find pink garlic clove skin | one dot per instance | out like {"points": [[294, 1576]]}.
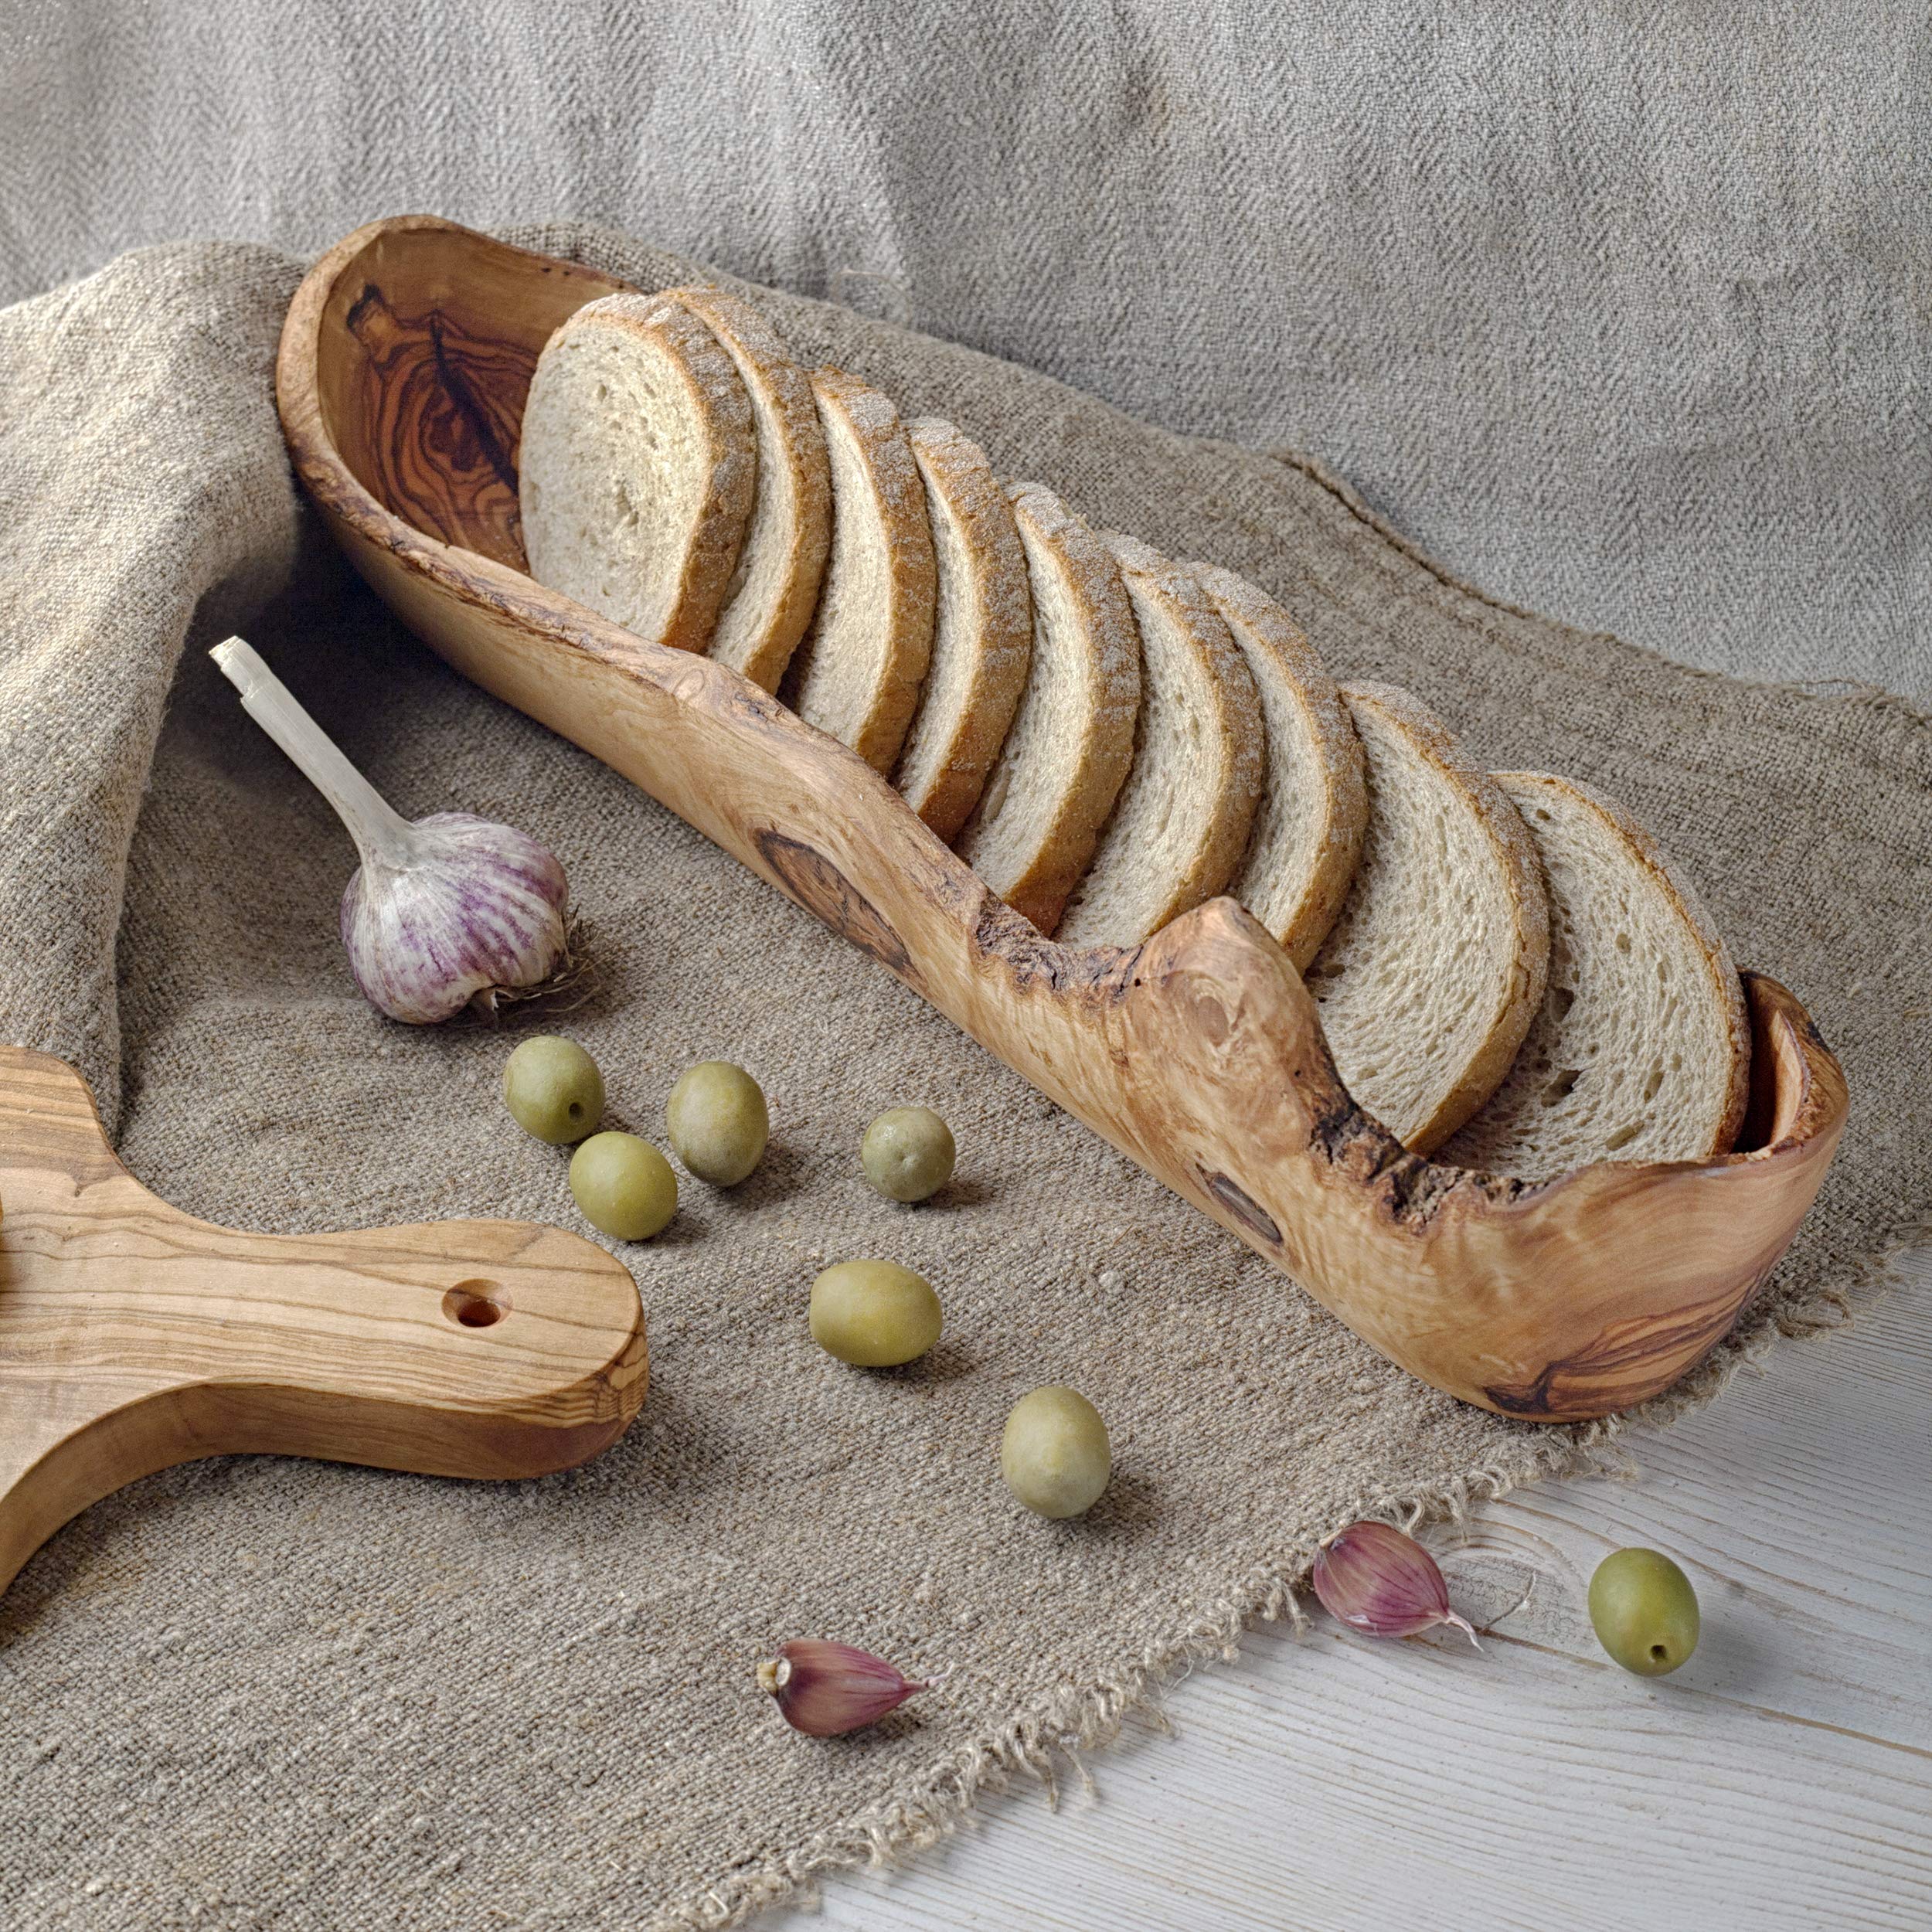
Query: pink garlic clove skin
{"points": [[828, 1689], [469, 909], [1375, 1579]]}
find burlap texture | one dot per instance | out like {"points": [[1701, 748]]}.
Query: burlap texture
{"points": [[1620, 307], [252, 1692]]}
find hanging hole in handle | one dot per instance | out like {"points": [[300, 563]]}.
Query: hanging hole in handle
{"points": [[476, 1304]]}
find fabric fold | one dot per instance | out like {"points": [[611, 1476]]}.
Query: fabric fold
{"points": [[140, 468]]}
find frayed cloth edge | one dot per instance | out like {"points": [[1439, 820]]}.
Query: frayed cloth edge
{"points": [[1060, 1730]]}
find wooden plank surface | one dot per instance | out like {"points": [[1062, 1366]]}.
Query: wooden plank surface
{"points": [[1782, 1779]]}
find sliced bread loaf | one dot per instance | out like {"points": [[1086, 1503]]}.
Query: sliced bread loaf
{"points": [[1314, 805], [1057, 776], [1435, 967], [1183, 817], [857, 673], [774, 588], [982, 631], [1640, 1050], [638, 467]]}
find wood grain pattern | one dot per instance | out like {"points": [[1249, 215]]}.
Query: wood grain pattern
{"points": [[447, 394], [133, 1336], [1198, 1054]]}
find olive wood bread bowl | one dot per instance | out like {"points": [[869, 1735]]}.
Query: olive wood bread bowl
{"points": [[404, 365]]}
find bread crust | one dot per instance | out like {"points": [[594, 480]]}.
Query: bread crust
{"points": [[898, 501], [1042, 878], [722, 411], [1239, 748], [1261, 627], [764, 362], [1726, 989], [955, 470], [1514, 1004]]}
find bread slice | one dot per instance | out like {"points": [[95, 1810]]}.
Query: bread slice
{"points": [[774, 588], [1436, 966], [1183, 817], [638, 467], [982, 631], [857, 671], [1057, 776], [1640, 1050], [1314, 805]]}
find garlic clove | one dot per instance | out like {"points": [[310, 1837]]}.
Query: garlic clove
{"points": [[828, 1689], [448, 912], [1375, 1579]]}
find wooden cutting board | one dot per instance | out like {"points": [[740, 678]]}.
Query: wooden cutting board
{"points": [[133, 1337]]}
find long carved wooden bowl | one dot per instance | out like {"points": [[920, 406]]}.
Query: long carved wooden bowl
{"points": [[133, 1337], [404, 364]]}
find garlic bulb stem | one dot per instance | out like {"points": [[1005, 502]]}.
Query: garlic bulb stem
{"points": [[383, 836], [451, 911]]}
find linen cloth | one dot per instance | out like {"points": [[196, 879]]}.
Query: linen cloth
{"points": [[261, 1693], [1618, 308]]}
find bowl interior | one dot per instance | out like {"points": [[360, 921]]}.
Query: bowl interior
{"points": [[423, 359]]}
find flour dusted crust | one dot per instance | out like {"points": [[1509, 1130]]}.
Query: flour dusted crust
{"points": [[1435, 967], [857, 673], [1183, 817], [1315, 803], [638, 467], [1072, 740], [982, 632], [1640, 1048], [774, 588]]}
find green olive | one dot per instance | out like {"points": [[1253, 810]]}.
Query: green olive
{"points": [[1054, 1454], [624, 1185], [717, 1121], [874, 1314], [907, 1153], [553, 1089], [1644, 1612]]}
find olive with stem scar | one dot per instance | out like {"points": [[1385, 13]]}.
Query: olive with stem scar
{"points": [[553, 1089], [908, 1153], [1643, 1610]]}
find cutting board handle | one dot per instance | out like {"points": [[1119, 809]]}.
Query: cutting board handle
{"points": [[133, 1337]]}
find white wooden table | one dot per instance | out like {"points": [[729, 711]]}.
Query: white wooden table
{"points": [[1782, 1779]]}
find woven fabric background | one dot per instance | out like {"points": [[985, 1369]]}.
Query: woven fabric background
{"points": [[1620, 310], [259, 1693]]}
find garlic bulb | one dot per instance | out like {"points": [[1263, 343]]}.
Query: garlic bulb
{"points": [[828, 1689], [447, 912]]}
